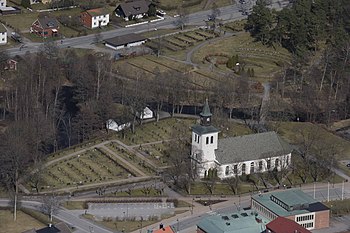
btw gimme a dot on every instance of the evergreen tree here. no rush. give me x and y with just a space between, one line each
25 3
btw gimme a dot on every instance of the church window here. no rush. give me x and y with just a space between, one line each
260 165
268 164
195 137
243 168
235 169
252 166
276 162
207 140
211 139
227 170
287 160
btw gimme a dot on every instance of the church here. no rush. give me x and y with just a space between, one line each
235 156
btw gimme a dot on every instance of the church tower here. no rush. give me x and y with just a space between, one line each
204 141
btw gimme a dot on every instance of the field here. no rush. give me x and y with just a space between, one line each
264 60
293 131
24 222
90 167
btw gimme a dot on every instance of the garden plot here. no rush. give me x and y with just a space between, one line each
91 167
157 153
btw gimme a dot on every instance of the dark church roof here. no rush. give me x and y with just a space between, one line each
251 147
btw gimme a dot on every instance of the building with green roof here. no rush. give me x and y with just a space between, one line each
294 205
238 222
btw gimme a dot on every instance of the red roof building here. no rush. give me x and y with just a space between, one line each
285 225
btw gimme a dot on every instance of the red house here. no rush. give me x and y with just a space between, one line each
45 27
285 225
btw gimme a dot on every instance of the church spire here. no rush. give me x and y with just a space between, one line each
206 114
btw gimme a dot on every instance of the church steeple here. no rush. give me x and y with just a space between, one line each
206 114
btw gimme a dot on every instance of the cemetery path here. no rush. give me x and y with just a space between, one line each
140 173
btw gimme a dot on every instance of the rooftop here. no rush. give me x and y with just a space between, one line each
135 7
238 222
201 129
251 147
125 39
97 12
284 225
291 202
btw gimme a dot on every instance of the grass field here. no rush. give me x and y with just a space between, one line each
264 60
24 222
293 131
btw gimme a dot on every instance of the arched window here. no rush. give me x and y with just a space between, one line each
287 160
211 139
252 166
227 170
268 164
235 169
205 174
277 162
243 168
260 165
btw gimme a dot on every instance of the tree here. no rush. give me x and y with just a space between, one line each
260 22
50 205
152 10
182 19
233 183
25 3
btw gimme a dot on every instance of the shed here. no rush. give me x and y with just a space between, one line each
125 41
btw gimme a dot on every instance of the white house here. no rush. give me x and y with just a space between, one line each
236 156
95 18
112 125
130 10
147 114
2 3
3 35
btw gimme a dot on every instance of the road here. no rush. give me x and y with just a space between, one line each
228 13
82 225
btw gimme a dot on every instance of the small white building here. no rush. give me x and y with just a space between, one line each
113 125
125 41
3 34
95 18
235 156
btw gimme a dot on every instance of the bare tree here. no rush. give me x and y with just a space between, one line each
182 18
50 205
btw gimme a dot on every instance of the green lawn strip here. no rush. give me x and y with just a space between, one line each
291 132
75 205
24 222
339 208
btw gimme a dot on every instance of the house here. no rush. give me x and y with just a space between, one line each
146 114
6 10
167 229
113 125
2 3
125 41
3 34
57 228
45 27
235 156
237 222
133 9
95 18
11 65
285 225
294 205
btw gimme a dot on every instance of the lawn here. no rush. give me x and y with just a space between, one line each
170 6
90 167
293 132
75 205
339 208
24 222
220 189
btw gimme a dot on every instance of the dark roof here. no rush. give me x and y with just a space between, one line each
318 206
48 22
201 129
284 225
57 228
134 7
251 147
125 39
206 110
2 28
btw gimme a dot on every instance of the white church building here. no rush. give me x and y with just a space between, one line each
235 156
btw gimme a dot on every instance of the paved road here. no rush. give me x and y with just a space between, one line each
228 13
82 225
